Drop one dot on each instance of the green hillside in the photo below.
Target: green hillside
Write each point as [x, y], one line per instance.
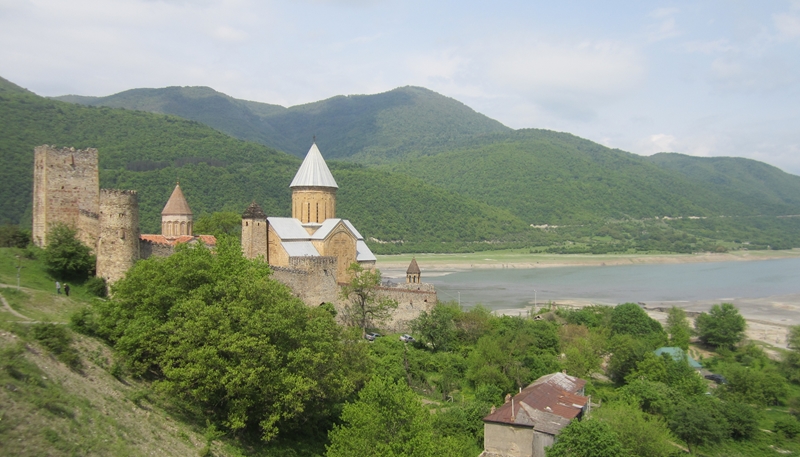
[149, 152]
[547, 177]
[761, 187]
[363, 128]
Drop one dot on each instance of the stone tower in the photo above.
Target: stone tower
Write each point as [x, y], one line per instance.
[66, 188]
[118, 244]
[313, 190]
[176, 217]
[254, 232]
[413, 274]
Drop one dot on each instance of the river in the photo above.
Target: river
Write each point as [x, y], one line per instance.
[765, 289]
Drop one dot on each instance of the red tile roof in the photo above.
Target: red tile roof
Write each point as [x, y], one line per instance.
[548, 405]
[208, 240]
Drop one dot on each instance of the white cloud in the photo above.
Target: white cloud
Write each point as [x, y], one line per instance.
[659, 142]
[665, 27]
[787, 24]
[229, 34]
[708, 47]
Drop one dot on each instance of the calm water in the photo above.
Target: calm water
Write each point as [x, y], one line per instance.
[688, 282]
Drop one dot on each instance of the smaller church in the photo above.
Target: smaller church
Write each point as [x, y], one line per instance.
[313, 235]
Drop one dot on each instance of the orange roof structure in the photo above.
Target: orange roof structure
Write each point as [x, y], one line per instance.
[176, 205]
[547, 405]
[208, 240]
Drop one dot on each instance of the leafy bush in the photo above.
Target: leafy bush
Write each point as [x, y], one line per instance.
[65, 256]
[56, 339]
[788, 426]
[96, 286]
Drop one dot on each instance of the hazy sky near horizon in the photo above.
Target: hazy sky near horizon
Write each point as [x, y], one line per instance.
[707, 78]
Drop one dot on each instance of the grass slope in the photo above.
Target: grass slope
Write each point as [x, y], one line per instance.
[363, 128]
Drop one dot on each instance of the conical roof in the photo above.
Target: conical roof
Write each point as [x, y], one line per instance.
[176, 205]
[314, 171]
[413, 268]
[254, 212]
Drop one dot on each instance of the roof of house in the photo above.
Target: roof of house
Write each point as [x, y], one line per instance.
[678, 354]
[292, 230]
[413, 268]
[176, 205]
[547, 405]
[208, 240]
[254, 212]
[313, 171]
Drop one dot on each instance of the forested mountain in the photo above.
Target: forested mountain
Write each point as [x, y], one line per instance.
[362, 128]
[547, 177]
[761, 187]
[149, 152]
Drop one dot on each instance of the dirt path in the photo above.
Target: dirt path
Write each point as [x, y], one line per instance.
[8, 307]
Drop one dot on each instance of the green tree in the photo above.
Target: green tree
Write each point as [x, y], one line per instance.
[587, 438]
[678, 328]
[723, 326]
[793, 338]
[387, 420]
[216, 331]
[366, 307]
[437, 327]
[698, 421]
[220, 223]
[12, 236]
[631, 319]
[65, 256]
[638, 432]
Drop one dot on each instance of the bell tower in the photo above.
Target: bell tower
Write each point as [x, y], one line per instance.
[313, 190]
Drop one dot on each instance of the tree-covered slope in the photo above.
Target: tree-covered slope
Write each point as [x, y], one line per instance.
[758, 185]
[363, 128]
[149, 152]
[546, 177]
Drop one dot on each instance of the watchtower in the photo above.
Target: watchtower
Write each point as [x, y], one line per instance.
[118, 244]
[176, 217]
[66, 187]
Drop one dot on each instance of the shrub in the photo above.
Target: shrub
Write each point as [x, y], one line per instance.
[96, 286]
[56, 339]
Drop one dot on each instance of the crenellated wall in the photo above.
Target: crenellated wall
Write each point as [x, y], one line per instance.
[118, 241]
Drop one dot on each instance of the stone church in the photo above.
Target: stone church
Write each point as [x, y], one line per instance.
[313, 231]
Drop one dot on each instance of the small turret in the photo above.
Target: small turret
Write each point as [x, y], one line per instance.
[176, 217]
[254, 232]
[413, 274]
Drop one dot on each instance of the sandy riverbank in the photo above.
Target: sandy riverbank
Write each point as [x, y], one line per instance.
[519, 259]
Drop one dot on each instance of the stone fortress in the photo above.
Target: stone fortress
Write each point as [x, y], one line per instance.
[310, 252]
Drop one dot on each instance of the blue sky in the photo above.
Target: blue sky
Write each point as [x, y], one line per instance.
[707, 78]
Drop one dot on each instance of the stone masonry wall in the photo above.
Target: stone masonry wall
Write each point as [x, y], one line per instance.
[118, 243]
[312, 279]
[254, 238]
[411, 302]
[149, 249]
[66, 187]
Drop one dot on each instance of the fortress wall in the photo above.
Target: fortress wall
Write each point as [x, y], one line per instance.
[411, 302]
[149, 249]
[118, 243]
[312, 279]
[66, 183]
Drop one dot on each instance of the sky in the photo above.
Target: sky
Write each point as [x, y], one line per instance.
[706, 78]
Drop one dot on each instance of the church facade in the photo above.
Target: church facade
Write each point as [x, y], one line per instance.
[313, 232]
